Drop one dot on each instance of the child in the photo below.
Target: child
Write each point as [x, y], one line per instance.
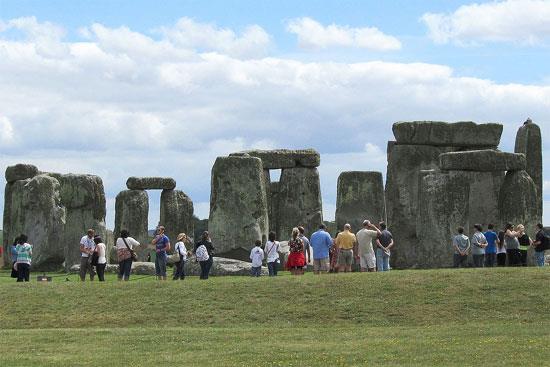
[257, 256]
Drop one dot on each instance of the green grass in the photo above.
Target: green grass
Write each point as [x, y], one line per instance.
[435, 317]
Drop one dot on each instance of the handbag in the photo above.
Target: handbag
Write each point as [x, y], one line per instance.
[133, 254]
[95, 259]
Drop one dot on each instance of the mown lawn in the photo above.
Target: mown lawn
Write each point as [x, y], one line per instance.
[435, 317]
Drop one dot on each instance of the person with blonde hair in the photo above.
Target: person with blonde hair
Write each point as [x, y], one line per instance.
[296, 258]
[512, 245]
[524, 243]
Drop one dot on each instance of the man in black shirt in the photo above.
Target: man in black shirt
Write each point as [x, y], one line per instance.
[541, 245]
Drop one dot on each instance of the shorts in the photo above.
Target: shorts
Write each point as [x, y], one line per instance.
[345, 257]
[320, 264]
[367, 261]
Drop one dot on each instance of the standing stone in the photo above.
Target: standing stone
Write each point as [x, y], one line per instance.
[83, 197]
[238, 206]
[132, 214]
[8, 237]
[35, 209]
[274, 209]
[299, 201]
[519, 201]
[529, 142]
[176, 213]
[360, 196]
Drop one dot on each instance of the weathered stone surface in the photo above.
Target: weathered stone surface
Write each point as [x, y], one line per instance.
[83, 197]
[274, 209]
[221, 267]
[151, 183]
[132, 213]
[437, 133]
[36, 210]
[360, 196]
[176, 213]
[448, 200]
[482, 161]
[529, 142]
[20, 172]
[8, 237]
[238, 204]
[519, 201]
[404, 165]
[299, 201]
[285, 158]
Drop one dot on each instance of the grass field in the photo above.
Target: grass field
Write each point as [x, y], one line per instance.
[492, 317]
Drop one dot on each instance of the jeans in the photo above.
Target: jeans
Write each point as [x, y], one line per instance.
[514, 257]
[124, 268]
[382, 260]
[478, 260]
[180, 271]
[490, 260]
[539, 258]
[459, 261]
[501, 259]
[23, 272]
[205, 268]
[272, 267]
[101, 271]
[86, 266]
[256, 271]
[160, 265]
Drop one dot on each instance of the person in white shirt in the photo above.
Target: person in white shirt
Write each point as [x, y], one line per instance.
[87, 248]
[272, 254]
[366, 254]
[101, 258]
[257, 256]
[182, 252]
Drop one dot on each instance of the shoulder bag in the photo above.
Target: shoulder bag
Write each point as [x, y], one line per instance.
[133, 254]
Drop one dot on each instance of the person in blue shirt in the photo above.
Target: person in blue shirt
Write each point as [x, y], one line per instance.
[13, 255]
[491, 250]
[321, 242]
[162, 246]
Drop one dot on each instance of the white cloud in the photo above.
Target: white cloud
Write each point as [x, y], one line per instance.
[313, 35]
[254, 41]
[518, 21]
[122, 103]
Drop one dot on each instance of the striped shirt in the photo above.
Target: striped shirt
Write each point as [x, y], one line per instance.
[24, 253]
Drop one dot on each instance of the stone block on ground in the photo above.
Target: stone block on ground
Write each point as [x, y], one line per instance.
[285, 158]
[151, 183]
[438, 133]
[482, 161]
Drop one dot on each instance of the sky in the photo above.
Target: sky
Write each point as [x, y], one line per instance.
[141, 88]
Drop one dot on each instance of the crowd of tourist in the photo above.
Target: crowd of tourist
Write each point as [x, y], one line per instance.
[369, 248]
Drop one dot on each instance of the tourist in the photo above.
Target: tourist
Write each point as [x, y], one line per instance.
[272, 254]
[101, 258]
[208, 260]
[87, 248]
[492, 244]
[512, 245]
[321, 242]
[125, 250]
[24, 255]
[13, 254]
[384, 243]
[333, 255]
[162, 246]
[501, 250]
[345, 242]
[257, 257]
[542, 243]
[366, 256]
[307, 246]
[524, 243]
[479, 242]
[182, 252]
[461, 245]
[296, 258]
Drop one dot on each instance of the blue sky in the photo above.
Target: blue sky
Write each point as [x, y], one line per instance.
[204, 78]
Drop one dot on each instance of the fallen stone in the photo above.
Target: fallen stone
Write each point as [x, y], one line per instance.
[284, 158]
[20, 172]
[238, 204]
[176, 213]
[482, 161]
[529, 142]
[458, 134]
[360, 196]
[150, 183]
[132, 214]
